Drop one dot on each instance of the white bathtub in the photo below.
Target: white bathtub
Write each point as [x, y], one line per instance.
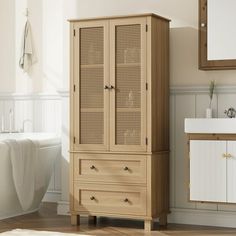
[49, 146]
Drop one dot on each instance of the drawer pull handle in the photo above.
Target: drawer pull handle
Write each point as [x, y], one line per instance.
[126, 200]
[92, 167]
[92, 198]
[126, 168]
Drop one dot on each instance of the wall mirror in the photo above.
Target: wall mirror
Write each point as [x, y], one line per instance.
[217, 34]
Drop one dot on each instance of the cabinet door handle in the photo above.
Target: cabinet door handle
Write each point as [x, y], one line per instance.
[92, 167]
[126, 200]
[106, 87]
[229, 155]
[92, 198]
[126, 168]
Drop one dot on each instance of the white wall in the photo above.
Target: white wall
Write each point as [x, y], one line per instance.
[184, 34]
[7, 49]
[46, 23]
[45, 17]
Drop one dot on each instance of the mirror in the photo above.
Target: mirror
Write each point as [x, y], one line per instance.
[217, 34]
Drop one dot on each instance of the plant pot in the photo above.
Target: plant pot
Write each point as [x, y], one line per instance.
[208, 113]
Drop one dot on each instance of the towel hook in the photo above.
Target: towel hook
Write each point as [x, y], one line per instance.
[26, 13]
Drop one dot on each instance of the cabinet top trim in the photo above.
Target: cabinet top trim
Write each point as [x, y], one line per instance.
[118, 17]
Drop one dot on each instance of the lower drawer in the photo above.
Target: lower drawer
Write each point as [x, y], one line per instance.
[95, 198]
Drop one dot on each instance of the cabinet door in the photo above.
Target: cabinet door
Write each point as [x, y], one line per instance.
[128, 77]
[91, 74]
[207, 171]
[231, 172]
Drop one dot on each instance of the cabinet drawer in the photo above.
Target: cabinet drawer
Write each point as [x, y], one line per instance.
[110, 168]
[97, 198]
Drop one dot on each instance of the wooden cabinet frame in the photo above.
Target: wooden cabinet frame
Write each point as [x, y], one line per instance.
[152, 155]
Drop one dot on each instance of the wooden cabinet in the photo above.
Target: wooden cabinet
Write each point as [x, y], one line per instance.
[119, 126]
[212, 170]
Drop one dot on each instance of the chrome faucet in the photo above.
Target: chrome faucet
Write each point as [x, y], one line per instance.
[23, 124]
[231, 112]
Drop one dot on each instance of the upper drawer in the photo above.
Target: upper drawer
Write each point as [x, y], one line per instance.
[110, 168]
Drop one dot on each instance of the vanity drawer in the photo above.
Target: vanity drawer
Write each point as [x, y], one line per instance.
[124, 200]
[110, 168]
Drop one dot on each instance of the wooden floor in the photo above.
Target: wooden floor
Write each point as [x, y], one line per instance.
[47, 219]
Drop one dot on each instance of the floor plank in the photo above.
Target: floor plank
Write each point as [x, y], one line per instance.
[47, 219]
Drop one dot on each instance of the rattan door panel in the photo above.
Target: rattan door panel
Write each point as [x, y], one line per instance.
[128, 77]
[91, 74]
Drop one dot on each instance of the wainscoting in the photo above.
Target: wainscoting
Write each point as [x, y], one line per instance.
[45, 111]
[185, 102]
[39, 113]
[190, 102]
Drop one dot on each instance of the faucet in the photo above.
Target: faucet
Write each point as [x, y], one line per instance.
[231, 112]
[23, 124]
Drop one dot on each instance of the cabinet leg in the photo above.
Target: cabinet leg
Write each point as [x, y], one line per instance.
[148, 225]
[75, 219]
[163, 220]
[92, 220]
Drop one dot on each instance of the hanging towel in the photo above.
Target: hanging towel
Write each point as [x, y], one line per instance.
[23, 157]
[28, 56]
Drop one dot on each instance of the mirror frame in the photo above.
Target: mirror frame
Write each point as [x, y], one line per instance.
[204, 63]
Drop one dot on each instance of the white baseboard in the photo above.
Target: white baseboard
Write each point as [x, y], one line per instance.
[63, 208]
[202, 217]
[52, 196]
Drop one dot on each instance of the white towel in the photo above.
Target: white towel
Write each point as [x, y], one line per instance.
[23, 158]
[28, 56]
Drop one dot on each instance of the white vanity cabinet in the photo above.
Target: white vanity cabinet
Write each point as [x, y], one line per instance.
[212, 170]
[212, 160]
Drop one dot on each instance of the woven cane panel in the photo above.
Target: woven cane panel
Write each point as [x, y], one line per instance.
[128, 44]
[91, 45]
[92, 128]
[91, 85]
[128, 84]
[128, 87]
[128, 128]
[91, 88]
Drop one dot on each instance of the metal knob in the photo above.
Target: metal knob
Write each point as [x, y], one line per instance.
[92, 167]
[228, 155]
[92, 198]
[112, 87]
[126, 200]
[106, 87]
[126, 168]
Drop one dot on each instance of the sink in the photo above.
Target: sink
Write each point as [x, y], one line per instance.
[212, 125]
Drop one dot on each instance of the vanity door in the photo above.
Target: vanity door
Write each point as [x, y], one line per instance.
[208, 160]
[231, 171]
